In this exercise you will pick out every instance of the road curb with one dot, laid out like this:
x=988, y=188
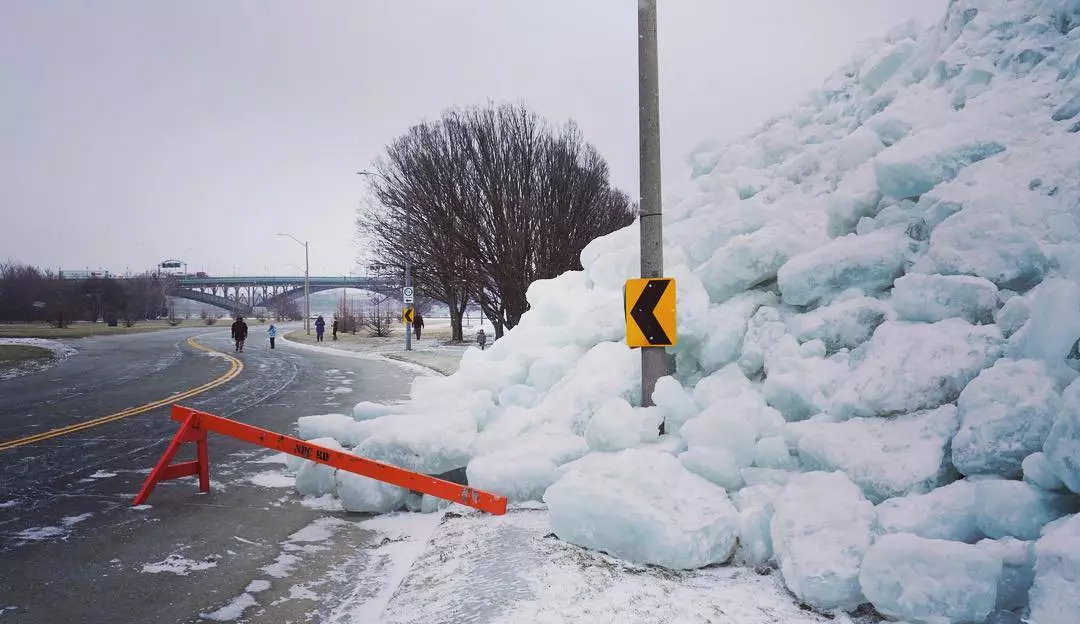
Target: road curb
x=374, y=355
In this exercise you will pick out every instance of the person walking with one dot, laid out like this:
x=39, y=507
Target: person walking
x=481, y=339
x=335, y=327
x=320, y=328
x=239, y=333
x=417, y=325
x=272, y=332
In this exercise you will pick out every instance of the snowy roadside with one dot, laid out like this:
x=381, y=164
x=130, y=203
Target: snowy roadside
x=487, y=569
x=60, y=352
x=427, y=358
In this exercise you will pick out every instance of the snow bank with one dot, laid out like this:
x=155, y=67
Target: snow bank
x=845, y=275
x=645, y=507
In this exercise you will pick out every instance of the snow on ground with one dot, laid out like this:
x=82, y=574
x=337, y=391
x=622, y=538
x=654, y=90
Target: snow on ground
x=880, y=288
x=512, y=569
x=180, y=566
x=45, y=533
x=60, y=351
x=272, y=479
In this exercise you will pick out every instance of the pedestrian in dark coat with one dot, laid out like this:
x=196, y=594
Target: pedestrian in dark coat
x=417, y=325
x=239, y=333
x=335, y=327
x=320, y=328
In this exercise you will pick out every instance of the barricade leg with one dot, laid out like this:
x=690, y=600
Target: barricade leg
x=190, y=431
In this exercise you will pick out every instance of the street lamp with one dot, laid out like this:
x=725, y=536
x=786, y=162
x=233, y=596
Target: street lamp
x=307, y=290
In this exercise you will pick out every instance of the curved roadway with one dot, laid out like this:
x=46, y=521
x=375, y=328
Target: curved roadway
x=72, y=548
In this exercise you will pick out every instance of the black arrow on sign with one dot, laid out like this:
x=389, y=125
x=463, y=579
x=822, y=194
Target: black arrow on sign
x=643, y=312
x=408, y=316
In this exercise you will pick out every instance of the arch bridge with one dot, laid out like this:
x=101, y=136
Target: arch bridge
x=242, y=294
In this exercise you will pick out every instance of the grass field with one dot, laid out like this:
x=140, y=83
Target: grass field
x=16, y=354
x=82, y=330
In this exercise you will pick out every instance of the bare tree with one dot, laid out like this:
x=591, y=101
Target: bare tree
x=379, y=318
x=485, y=201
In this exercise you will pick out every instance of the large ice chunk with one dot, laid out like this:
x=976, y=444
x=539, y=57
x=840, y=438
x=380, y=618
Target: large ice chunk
x=845, y=324
x=423, y=442
x=1052, y=329
x=799, y=379
x=1018, y=509
x=869, y=263
x=366, y=410
x=1005, y=415
x=337, y=426
x=918, y=164
x=750, y=259
x=1017, y=573
x=727, y=324
x=675, y=403
x=820, y=530
x=1038, y=472
x=731, y=424
x=1062, y=446
x=314, y=479
x=755, y=505
x=988, y=245
x=524, y=467
x=763, y=331
x=930, y=581
x=1055, y=596
x=361, y=494
x=716, y=465
x=617, y=425
x=885, y=457
x=645, y=507
x=946, y=513
x=932, y=298
x=913, y=366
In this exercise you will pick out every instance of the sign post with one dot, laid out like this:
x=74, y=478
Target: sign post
x=408, y=313
x=654, y=361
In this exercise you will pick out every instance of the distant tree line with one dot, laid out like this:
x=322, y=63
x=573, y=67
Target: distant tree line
x=31, y=294
x=484, y=201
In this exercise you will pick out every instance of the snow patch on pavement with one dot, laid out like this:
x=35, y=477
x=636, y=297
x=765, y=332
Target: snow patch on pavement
x=181, y=566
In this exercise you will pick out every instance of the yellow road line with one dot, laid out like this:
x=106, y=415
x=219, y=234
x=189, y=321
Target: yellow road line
x=235, y=367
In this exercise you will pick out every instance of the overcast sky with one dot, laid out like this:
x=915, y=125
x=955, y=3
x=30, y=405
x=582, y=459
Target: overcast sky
x=135, y=131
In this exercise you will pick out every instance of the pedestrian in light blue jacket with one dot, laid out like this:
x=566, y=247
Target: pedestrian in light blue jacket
x=272, y=332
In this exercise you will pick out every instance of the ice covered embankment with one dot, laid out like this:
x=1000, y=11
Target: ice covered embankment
x=878, y=294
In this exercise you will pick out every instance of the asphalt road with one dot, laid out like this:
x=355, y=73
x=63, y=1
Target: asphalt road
x=72, y=547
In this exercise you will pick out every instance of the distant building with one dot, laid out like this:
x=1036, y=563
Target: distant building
x=84, y=274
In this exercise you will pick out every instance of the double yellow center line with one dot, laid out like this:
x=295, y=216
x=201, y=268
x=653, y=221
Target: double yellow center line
x=235, y=367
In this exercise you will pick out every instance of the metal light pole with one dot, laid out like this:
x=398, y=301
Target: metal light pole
x=653, y=359
x=307, y=290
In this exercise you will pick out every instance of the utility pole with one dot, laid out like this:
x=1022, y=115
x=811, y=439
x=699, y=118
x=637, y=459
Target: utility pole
x=653, y=359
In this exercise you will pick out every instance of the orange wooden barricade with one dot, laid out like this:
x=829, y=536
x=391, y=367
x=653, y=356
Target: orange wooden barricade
x=196, y=424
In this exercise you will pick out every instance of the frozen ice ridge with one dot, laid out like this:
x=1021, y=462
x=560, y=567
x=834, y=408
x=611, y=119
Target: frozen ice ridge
x=875, y=384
